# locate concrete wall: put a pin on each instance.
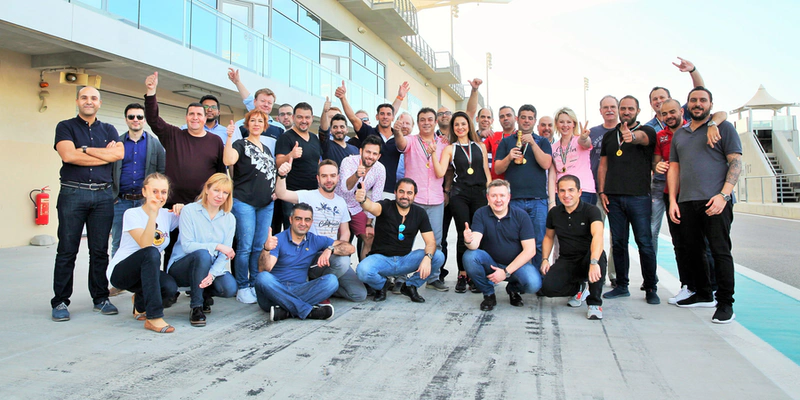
(755, 165)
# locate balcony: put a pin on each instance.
(389, 19)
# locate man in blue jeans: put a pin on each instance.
(396, 225)
(623, 177)
(87, 148)
(525, 169)
(500, 246)
(282, 286)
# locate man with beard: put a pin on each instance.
(609, 111)
(285, 112)
(331, 219)
(701, 180)
(545, 128)
(333, 123)
(525, 169)
(509, 124)
(363, 170)
(624, 190)
(282, 285)
(396, 227)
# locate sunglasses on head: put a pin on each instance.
(400, 229)
(139, 117)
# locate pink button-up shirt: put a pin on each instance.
(373, 181)
(429, 187)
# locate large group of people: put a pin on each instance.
(267, 210)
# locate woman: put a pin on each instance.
(571, 156)
(204, 246)
(254, 184)
(136, 266)
(470, 164)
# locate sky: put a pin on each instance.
(541, 51)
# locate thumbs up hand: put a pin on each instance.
(361, 193)
(297, 151)
(468, 236)
(272, 241)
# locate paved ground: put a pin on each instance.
(445, 348)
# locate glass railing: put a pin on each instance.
(195, 25)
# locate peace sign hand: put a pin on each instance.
(585, 130)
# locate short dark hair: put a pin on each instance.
(302, 106)
(131, 107)
(373, 139)
(569, 178)
(209, 97)
(406, 180)
(486, 108)
(327, 162)
(425, 110)
(658, 88)
(527, 107)
(302, 207)
(710, 96)
(285, 105)
(384, 105)
(193, 105)
(509, 107)
(630, 97)
(339, 117)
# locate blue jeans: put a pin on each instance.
(537, 211)
(374, 269)
(659, 208)
(350, 287)
(297, 298)
(190, 270)
(436, 216)
(625, 212)
(120, 206)
(141, 274)
(95, 210)
(252, 227)
(478, 264)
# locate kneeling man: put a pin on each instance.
(282, 285)
(500, 247)
(396, 225)
(579, 227)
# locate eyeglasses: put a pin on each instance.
(139, 117)
(365, 119)
(400, 229)
(285, 114)
(210, 108)
(442, 114)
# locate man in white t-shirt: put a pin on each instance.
(331, 219)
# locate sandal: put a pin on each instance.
(137, 315)
(165, 329)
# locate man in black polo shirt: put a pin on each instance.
(500, 246)
(87, 148)
(396, 225)
(623, 178)
(579, 227)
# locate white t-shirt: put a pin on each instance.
(328, 213)
(136, 218)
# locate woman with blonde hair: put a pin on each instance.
(204, 247)
(571, 155)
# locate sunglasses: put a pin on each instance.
(365, 119)
(210, 107)
(400, 229)
(139, 117)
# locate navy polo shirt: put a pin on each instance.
(529, 180)
(294, 259)
(79, 132)
(502, 238)
(574, 230)
(134, 165)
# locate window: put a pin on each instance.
(295, 37)
(286, 7)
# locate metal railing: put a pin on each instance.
(422, 48)
(744, 186)
(406, 9)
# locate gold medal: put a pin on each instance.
(564, 169)
(524, 160)
(619, 152)
(428, 165)
(470, 170)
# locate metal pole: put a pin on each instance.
(585, 89)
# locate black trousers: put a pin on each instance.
(464, 202)
(565, 277)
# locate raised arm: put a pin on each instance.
(280, 186)
(233, 75)
(324, 120)
(400, 140)
(266, 260)
(367, 204)
(401, 95)
(472, 102)
(230, 156)
(687, 66)
(341, 94)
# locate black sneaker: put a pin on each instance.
(724, 314)
(613, 283)
(618, 291)
(437, 285)
(694, 301)
(461, 284)
(276, 313)
(207, 303)
(651, 297)
(321, 311)
(197, 318)
(488, 302)
(473, 288)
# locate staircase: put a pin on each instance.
(787, 191)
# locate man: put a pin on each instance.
(285, 116)
(144, 155)
(396, 226)
(485, 121)
(333, 123)
(404, 124)
(609, 106)
(192, 155)
(362, 170)
(579, 228)
(331, 220)
(545, 128)
(303, 149)
(705, 178)
(211, 106)
(422, 152)
(263, 99)
(500, 246)
(282, 285)
(87, 148)
(525, 169)
(508, 122)
(624, 190)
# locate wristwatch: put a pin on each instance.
(711, 123)
(594, 261)
(727, 197)
(429, 255)
(331, 248)
(84, 149)
(633, 135)
(508, 275)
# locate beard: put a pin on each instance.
(702, 116)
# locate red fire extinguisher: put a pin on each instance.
(41, 205)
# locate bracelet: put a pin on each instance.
(693, 69)
(400, 98)
(599, 193)
(281, 176)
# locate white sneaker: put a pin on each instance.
(580, 297)
(595, 312)
(253, 290)
(684, 293)
(246, 296)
